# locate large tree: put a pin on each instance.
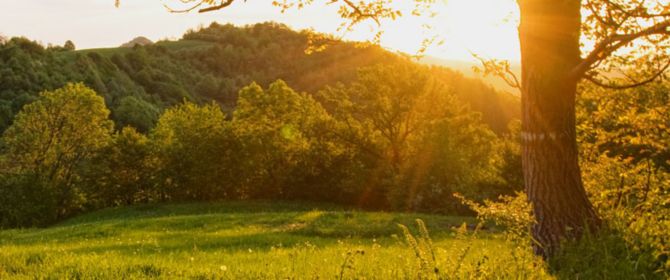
(52, 140)
(562, 43)
(415, 143)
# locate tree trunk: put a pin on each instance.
(549, 34)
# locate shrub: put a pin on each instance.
(25, 201)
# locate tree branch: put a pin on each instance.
(223, 4)
(612, 43)
(502, 69)
(217, 7)
(184, 10)
(357, 11)
(634, 84)
(360, 14)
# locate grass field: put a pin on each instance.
(258, 240)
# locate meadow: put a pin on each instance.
(261, 240)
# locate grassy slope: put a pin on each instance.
(171, 45)
(248, 240)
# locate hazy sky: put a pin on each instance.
(96, 23)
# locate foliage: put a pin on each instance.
(273, 143)
(407, 144)
(423, 250)
(414, 143)
(49, 142)
(194, 145)
(609, 254)
(69, 45)
(284, 136)
(26, 201)
(624, 142)
(632, 124)
(606, 255)
(511, 169)
(136, 112)
(622, 136)
(209, 64)
(514, 213)
(123, 172)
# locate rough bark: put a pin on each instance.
(549, 34)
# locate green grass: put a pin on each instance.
(254, 240)
(185, 44)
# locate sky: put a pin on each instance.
(485, 27)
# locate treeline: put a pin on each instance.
(209, 64)
(395, 138)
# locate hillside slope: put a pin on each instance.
(210, 64)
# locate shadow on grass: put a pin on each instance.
(137, 212)
(240, 225)
(376, 225)
(186, 242)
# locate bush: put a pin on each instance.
(608, 254)
(625, 149)
(135, 112)
(26, 202)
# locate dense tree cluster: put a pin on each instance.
(394, 138)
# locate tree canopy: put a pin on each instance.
(208, 64)
(48, 144)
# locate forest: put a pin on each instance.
(356, 140)
(232, 114)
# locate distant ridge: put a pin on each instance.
(142, 41)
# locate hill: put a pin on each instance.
(210, 64)
(141, 41)
(250, 240)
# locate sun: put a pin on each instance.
(487, 28)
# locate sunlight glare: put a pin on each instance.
(484, 27)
